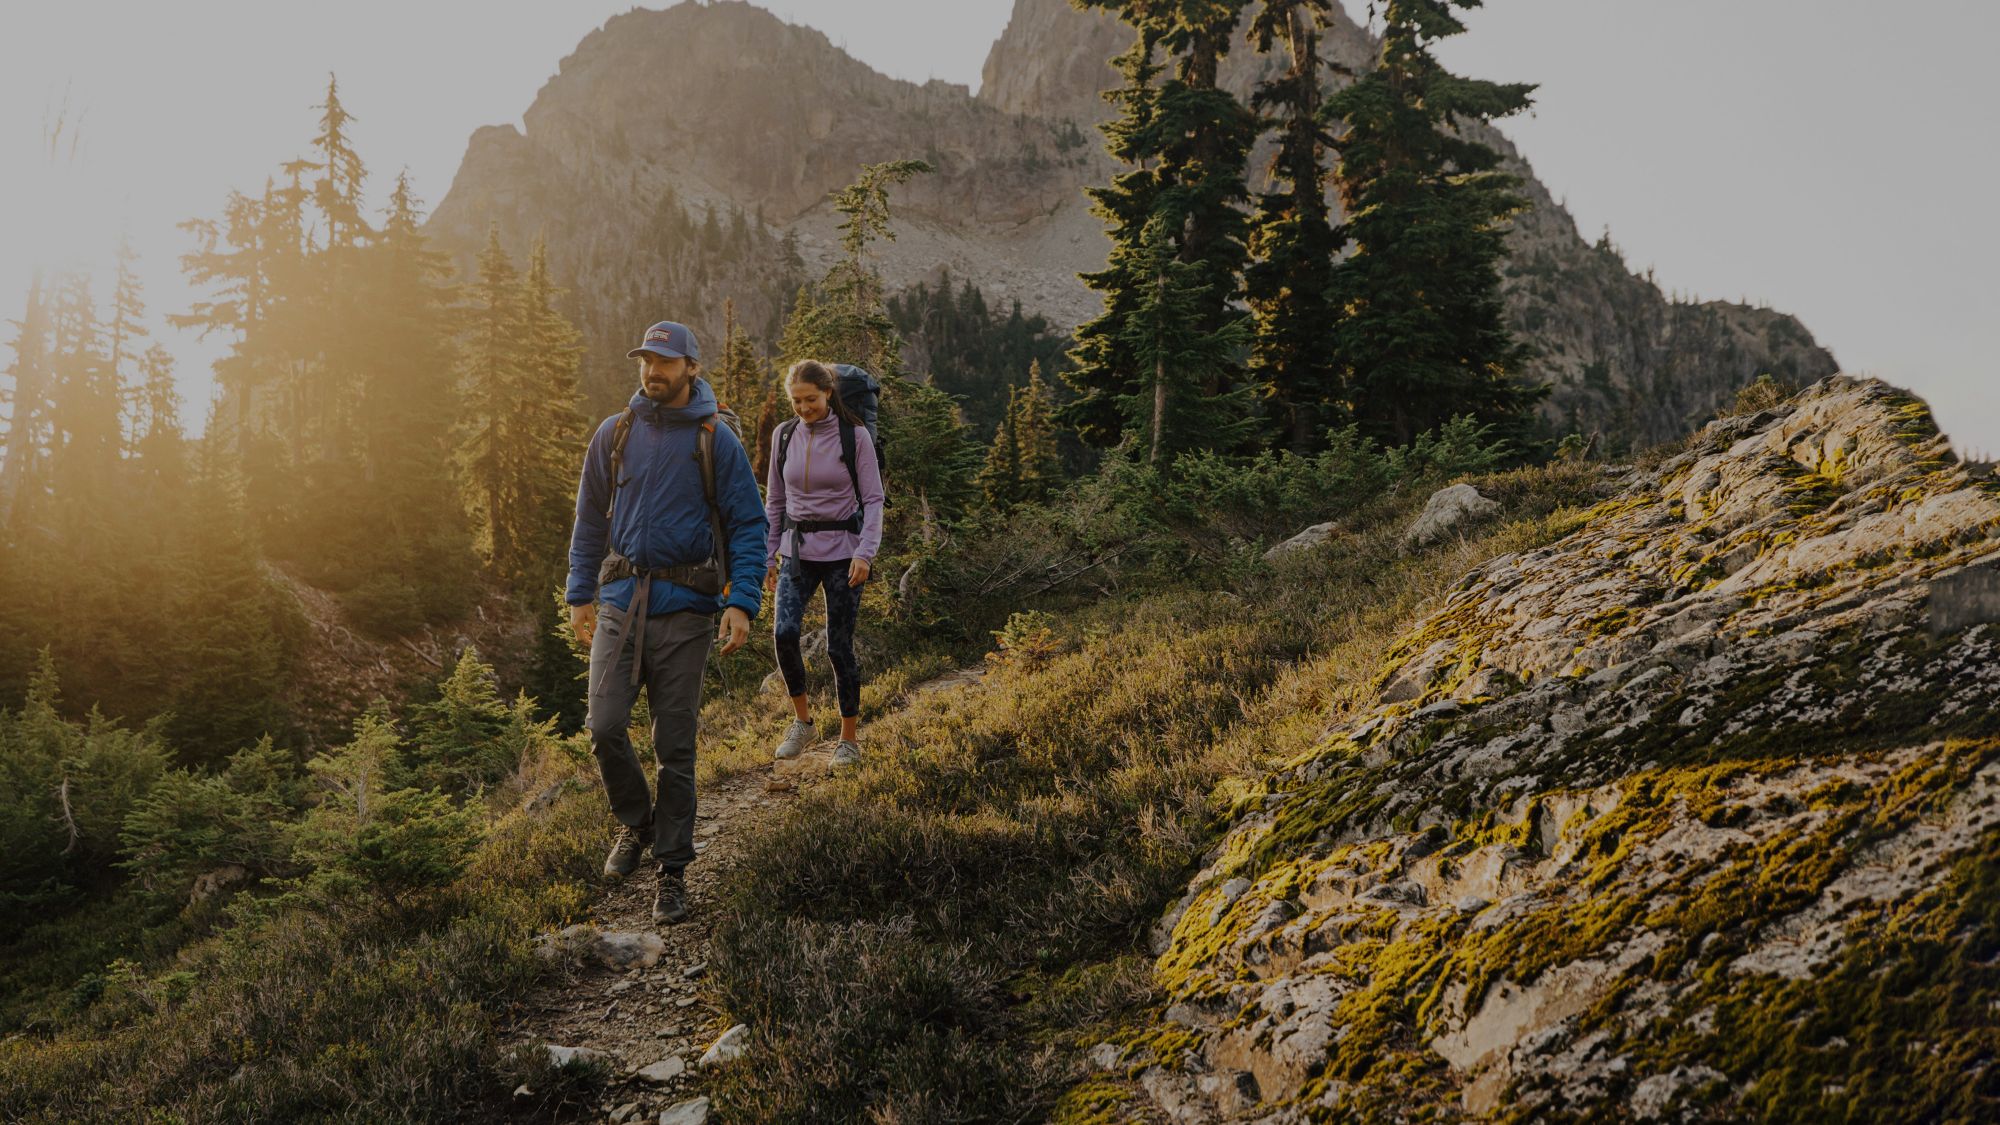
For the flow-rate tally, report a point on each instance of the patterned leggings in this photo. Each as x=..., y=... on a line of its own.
x=843, y=605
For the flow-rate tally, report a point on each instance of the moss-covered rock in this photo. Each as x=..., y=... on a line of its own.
x=1690, y=814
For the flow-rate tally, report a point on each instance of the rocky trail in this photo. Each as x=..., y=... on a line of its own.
x=634, y=999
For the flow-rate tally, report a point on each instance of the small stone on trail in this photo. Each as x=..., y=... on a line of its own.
x=779, y=785
x=692, y=1112
x=664, y=1071
x=624, y=1113
x=562, y=1057
x=695, y=971
x=1106, y=1056
x=523, y=1093
x=685, y=1002
x=728, y=1047
x=619, y=987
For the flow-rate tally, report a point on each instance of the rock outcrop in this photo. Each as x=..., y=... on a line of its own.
x=772, y=118
x=1692, y=814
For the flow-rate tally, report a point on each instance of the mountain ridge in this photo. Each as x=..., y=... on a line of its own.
x=791, y=117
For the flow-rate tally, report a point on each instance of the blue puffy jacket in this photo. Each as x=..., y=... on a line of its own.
x=662, y=514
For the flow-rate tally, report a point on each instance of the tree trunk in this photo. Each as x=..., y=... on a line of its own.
x=1159, y=405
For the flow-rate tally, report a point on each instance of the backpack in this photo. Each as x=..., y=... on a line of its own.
x=860, y=393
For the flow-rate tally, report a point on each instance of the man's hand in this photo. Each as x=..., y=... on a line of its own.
x=735, y=629
x=583, y=620
x=771, y=579
x=857, y=572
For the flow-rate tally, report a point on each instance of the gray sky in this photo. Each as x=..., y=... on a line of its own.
x=1832, y=158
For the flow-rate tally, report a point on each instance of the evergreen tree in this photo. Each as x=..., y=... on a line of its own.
x=493, y=375
x=1000, y=477
x=1293, y=244
x=24, y=471
x=851, y=302
x=160, y=447
x=1165, y=337
x=1023, y=465
x=1037, y=439
x=738, y=379
x=551, y=427
x=1104, y=367
x=1423, y=337
x=1194, y=137
x=337, y=193
x=127, y=326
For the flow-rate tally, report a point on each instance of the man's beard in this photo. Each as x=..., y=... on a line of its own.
x=669, y=389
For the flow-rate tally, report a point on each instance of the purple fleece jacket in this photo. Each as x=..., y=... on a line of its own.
x=813, y=484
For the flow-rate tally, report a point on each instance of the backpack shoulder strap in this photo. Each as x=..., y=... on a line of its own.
x=620, y=433
x=848, y=455
x=785, y=431
x=704, y=453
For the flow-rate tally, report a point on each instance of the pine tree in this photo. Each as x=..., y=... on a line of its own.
x=160, y=447
x=492, y=370
x=551, y=425
x=1293, y=244
x=1423, y=337
x=24, y=471
x=1104, y=367
x=852, y=290
x=1194, y=137
x=738, y=378
x=127, y=326
x=1000, y=477
x=337, y=193
x=1166, y=339
x=1036, y=438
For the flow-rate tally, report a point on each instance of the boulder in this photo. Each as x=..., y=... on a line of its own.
x=1304, y=541
x=662, y=1072
x=1448, y=510
x=728, y=1047
x=613, y=949
x=694, y=1111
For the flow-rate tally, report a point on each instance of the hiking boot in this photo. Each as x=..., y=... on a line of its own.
x=794, y=742
x=846, y=752
x=626, y=850
x=670, y=903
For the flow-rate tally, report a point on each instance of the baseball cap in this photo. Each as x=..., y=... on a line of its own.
x=668, y=339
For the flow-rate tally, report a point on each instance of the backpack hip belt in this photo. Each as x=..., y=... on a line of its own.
x=702, y=577
x=797, y=529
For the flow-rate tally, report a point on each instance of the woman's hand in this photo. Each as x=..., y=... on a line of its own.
x=770, y=579
x=857, y=572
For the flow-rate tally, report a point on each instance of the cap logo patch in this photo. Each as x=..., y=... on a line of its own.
x=660, y=336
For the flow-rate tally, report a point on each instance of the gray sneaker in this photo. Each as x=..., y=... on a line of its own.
x=846, y=752
x=796, y=737
x=626, y=850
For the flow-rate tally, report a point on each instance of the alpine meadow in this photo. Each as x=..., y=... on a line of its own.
x=1175, y=587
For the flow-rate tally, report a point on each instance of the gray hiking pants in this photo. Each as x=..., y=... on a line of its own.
x=672, y=654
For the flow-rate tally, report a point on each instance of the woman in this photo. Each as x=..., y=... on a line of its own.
x=824, y=503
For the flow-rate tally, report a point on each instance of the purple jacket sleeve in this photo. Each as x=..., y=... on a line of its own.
x=871, y=496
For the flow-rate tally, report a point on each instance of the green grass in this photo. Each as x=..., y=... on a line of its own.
x=938, y=935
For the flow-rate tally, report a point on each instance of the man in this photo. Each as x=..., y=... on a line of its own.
x=651, y=513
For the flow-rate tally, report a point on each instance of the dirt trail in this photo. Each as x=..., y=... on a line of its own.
x=642, y=1016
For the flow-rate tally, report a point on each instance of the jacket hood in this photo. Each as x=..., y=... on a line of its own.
x=700, y=406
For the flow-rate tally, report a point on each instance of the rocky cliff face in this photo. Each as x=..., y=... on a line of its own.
x=722, y=105
x=1693, y=814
